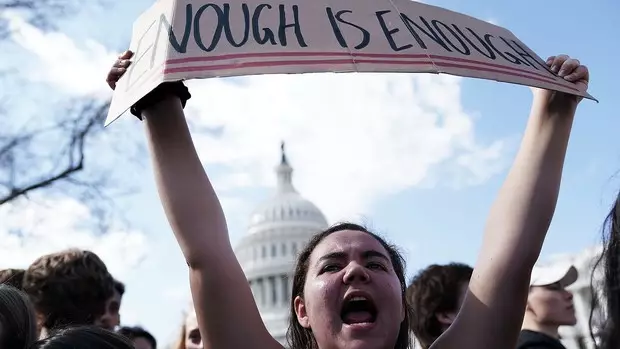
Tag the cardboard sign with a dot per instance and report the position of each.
(190, 39)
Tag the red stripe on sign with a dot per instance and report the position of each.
(463, 66)
(285, 63)
(287, 54)
(242, 65)
(465, 60)
(352, 55)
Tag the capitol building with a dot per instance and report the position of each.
(277, 230)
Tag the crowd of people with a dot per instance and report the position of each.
(68, 299)
(348, 288)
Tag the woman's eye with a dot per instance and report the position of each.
(330, 268)
(375, 265)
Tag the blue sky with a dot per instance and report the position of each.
(432, 199)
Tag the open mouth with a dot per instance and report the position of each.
(358, 310)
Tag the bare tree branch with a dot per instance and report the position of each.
(60, 151)
(87, 123)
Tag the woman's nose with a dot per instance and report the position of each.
(356, 273)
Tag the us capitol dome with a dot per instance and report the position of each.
(278, 229)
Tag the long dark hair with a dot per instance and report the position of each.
(609, 259)
(17, 319)
(90, 337)
(301, 338)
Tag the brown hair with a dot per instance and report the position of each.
(12, 277)
(119, 287)
(609, 261)
(435, 290)
(17, 319)
(69, 288)
(301, 338)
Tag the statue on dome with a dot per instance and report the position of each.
(283, 151)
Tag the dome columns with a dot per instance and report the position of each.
(271, 291)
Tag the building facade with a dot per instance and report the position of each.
(278, 229)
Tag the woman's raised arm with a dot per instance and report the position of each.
(492, 313)
(225, 308)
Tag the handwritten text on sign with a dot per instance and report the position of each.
(187, 39)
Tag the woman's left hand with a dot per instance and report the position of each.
(571, 70)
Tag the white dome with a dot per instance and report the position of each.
(278, 229)
(287, 207)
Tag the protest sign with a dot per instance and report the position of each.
(190, 39)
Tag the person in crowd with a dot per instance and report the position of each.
(609, 263)
(12, 277)
(68, 288)
(140, 338)
(549, 306)
(18, 326)
(189, 335)
(436, 294)
(87, 337)
(349, 287)
(112, 317)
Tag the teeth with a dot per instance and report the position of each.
(358, 298)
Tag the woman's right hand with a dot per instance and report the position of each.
(118, 69)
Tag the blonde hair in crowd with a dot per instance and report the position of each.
(180, 343)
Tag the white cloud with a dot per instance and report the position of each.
(31, 228)
(493, 21)
(353, 138)
(76, 69)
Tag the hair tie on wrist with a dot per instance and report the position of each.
(176, 88)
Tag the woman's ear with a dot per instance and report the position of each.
(301, 312)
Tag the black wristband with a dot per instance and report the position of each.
(162, 91)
